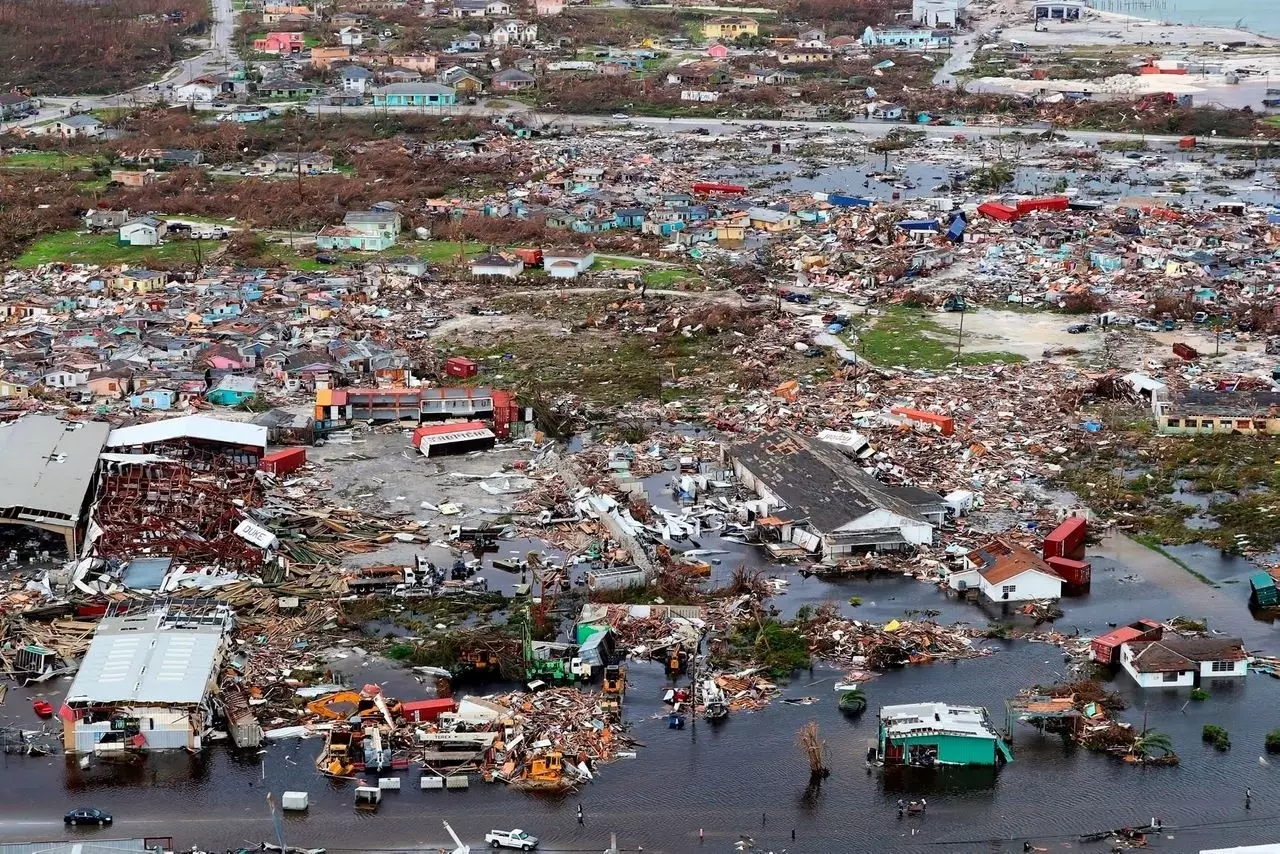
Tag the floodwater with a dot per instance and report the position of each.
(1118, 177)
(747, 776)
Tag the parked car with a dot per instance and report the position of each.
(326, 259)
(1146, 326)
(511, 839)
(1077, 328)
(87, 815)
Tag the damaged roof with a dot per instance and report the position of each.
(49, 466)
(819, 483)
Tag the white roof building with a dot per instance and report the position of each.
(200, 427)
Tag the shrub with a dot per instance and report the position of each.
(1273, 741)
(1199, 695)
(1217, 736)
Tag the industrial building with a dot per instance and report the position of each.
(50, 467)
(147, 681)
(819, 498)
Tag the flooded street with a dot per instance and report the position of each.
(747, 776)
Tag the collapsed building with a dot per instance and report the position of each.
(147, 680)
(816, 497)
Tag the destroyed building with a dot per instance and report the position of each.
(147, 679)
(821, 500)
(50, 467)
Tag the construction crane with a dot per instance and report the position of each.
(460, 848)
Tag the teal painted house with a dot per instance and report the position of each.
(232, 390)
(928, 734)
(415, 95)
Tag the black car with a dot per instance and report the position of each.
(87, 816)
(1077, 328)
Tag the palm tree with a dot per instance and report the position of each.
(853, 702)
(1152, 740)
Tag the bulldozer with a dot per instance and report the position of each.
(613, 689)
(545, 772)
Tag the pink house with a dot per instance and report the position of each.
(549, 7)
(718, 51)
(279, 43)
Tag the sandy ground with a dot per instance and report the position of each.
(1113, 29)
(1014, 19)
(1029, 334)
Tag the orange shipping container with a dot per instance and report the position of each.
(944, 423)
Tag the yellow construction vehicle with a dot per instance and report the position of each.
(613, 689)
(547, 769)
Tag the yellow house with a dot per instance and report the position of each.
(731, 230)
(730, 27)
(139, 281)
(13, 390)
(319, 312)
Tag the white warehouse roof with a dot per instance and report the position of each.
(189, 427)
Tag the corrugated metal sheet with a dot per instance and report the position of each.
(145, 664)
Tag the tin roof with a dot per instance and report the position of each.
(145, 658)
(49, 465)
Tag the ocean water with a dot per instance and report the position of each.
(1259, 16)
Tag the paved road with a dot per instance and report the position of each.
(217, 58)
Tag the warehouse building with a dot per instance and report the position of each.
(147, 681)
(50, 466)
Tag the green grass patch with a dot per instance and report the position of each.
(907, 337)
(46, 160)
(665, 277)
(75, 247)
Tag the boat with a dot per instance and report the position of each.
(43, 708)
(1271, 102)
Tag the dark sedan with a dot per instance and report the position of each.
(87, 816)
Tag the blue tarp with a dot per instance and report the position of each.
(842, 201)
(918, 225)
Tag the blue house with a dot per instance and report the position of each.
(414, 95)
(246, 114)
(628, 218)
(153, 398)
(232, 390)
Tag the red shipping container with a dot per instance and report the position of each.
(995, 210)
(1049, 203)
(1187, 142)
(423, 711)
(714, 187)
(945, 423)
(1182, 351)
(461, 367)
(284, 461)
(1076, 573)
(1067, 540)
(531, 257)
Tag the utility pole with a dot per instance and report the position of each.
(960, 334)
(298, 152)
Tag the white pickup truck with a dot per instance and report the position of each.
(511, 839)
